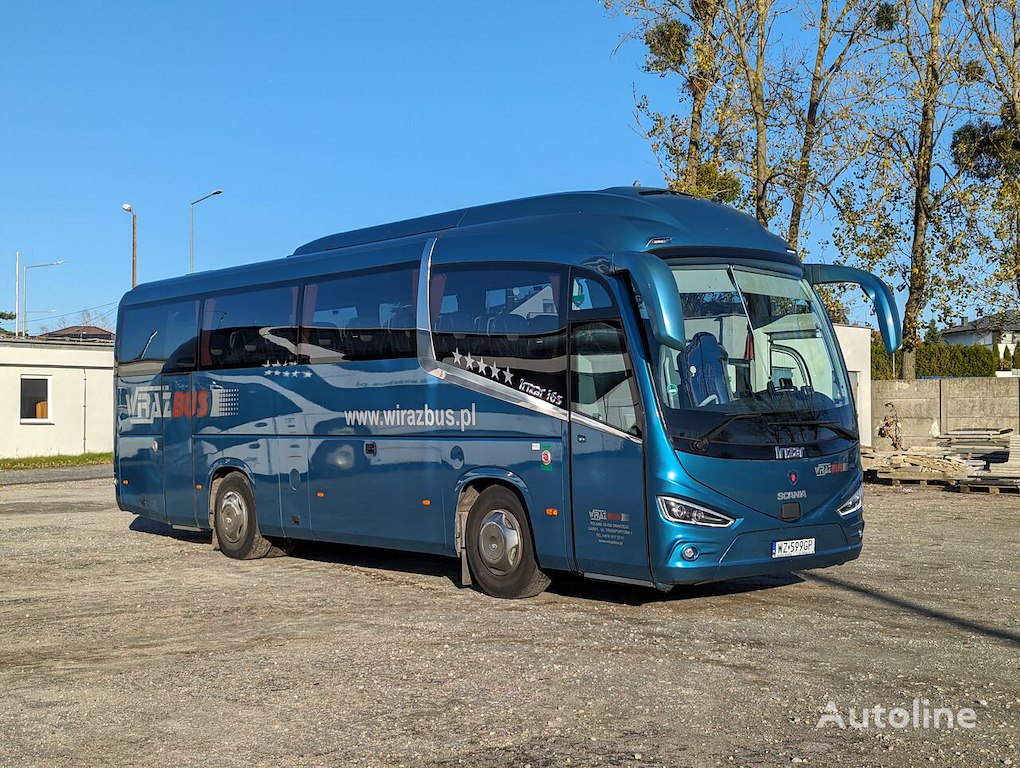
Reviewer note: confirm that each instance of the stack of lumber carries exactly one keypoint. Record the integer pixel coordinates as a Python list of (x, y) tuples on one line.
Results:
[(989, 443), (907, 464)]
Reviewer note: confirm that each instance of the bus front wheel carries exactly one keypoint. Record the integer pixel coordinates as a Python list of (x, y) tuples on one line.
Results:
[(499, 547), (237, 527)]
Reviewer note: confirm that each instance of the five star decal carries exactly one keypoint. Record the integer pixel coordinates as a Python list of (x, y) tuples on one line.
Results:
[(279, 370), (485, 369)]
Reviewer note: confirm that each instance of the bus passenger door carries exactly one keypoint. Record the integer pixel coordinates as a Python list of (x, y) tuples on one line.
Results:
[(607, 467), (178, 457)]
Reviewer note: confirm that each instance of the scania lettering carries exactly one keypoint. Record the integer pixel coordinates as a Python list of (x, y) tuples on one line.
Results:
[(631, 384)]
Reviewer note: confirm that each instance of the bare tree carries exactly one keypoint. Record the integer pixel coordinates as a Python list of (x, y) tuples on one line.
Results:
[(839, 91), (87, 317)]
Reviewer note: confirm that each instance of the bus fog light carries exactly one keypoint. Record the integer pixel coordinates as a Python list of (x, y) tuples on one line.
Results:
[(682, 511), (689, 553)]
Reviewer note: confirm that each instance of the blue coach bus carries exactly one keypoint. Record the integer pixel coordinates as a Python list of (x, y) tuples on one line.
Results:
[(632, 384)]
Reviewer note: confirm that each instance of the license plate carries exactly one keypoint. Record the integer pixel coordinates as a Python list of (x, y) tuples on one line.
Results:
[(793, 547)]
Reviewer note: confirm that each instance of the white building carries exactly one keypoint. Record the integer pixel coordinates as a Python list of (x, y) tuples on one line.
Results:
[(55, 398), (855, 343), (997, 332)]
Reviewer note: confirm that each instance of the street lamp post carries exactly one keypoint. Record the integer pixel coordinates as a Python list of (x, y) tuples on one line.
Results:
[(134, 243), (191, 262), (24, 293)]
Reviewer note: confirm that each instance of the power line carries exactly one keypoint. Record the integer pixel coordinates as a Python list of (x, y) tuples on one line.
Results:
[(51, 318)]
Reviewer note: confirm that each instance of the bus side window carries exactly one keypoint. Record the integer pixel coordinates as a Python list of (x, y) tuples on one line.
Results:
[(504, 324), (250, 328), (601, 374), (602, 377), (360, 316), (159, 338)]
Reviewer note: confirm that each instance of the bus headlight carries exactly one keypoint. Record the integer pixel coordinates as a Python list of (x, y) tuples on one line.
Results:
[(853, 504), (682, 511)]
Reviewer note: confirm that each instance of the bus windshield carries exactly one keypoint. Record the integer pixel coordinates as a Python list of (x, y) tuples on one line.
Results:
[(760, 367)]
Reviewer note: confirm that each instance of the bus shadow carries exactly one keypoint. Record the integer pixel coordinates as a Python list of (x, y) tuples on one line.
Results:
[(146, 525), (564, 584), (379, 559), (570, 585)]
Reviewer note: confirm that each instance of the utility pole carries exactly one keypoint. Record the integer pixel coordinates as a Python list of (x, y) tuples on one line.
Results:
[(17, 293), (134, 243)]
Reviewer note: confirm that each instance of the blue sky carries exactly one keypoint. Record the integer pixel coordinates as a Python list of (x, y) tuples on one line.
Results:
[(314, 117)]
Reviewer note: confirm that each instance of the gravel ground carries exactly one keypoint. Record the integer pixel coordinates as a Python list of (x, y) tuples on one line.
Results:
[(125, 643)]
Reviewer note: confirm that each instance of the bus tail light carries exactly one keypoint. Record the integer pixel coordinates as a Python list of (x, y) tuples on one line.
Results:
[(852, 504), (682, 511)]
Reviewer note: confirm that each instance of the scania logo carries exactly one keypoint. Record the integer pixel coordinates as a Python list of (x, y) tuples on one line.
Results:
[(793, 478)]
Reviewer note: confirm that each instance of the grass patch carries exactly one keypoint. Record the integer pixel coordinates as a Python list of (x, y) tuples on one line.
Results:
[(48, 462)]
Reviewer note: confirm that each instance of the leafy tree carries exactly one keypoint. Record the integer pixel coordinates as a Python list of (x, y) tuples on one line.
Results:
[(7, 316), (755, 109), (902, 215), (682, 38), (990, 153)]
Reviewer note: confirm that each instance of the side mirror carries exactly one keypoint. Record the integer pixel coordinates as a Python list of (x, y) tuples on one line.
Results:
[(879, 293), (654, 281)]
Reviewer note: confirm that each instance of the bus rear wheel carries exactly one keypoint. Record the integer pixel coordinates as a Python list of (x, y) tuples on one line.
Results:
[(499, 547), (237, 527)]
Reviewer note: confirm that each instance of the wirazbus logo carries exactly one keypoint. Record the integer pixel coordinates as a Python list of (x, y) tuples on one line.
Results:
[(146, 404)]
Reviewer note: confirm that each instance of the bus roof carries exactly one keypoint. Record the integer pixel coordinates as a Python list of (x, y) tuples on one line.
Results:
[(618, 218), (567, 227)]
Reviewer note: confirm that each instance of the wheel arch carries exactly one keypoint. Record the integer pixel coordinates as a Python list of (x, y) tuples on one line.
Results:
[(467, 490), (217, 472)]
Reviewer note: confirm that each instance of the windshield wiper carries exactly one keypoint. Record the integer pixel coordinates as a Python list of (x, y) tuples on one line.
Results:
[(834, 426), (701, 443)]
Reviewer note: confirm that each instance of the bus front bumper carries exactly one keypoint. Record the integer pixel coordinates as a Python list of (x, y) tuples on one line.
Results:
[(696, 557)]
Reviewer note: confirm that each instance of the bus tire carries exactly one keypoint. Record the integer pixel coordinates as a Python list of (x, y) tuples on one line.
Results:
[(237, 526), (499, 547)]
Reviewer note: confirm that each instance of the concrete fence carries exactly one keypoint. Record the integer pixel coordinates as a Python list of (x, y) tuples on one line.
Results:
[(928, 407)]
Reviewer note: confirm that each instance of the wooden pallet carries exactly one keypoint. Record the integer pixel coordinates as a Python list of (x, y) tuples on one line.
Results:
[(898, 477), (989, 485)]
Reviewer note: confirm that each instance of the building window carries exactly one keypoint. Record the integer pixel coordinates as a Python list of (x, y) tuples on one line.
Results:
[(35, 399)]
